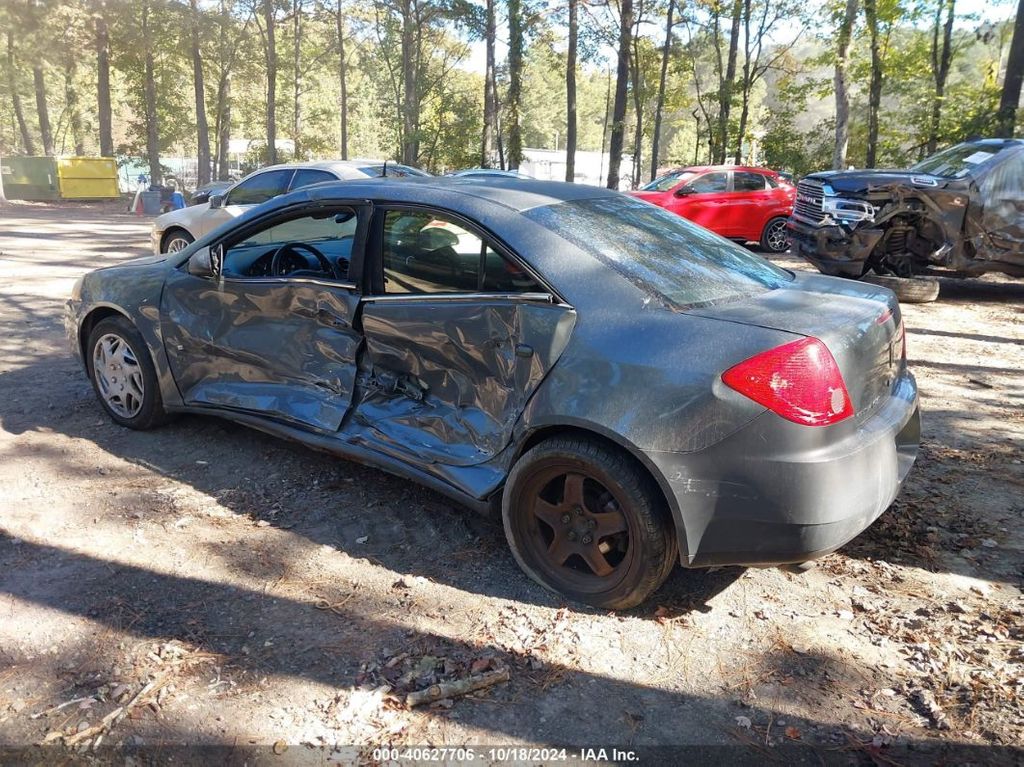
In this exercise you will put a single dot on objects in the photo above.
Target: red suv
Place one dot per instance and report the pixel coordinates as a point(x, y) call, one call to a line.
point(748, 204)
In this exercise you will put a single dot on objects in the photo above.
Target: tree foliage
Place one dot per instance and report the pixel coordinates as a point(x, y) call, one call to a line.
point(736, 80)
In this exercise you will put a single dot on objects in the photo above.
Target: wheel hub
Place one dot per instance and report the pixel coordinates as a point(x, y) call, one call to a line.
point(582, 528)
point(118, 375)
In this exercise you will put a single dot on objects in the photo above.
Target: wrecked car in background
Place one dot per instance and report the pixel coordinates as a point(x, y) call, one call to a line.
point(959, 213)
point(627, 389)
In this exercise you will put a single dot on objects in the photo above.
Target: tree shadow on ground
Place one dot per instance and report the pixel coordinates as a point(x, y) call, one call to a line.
point(536, 704)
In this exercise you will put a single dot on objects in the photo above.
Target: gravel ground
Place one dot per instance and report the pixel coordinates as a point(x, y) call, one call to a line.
point(204, 583)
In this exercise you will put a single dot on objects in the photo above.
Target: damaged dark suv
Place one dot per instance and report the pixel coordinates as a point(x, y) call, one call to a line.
point(958, 213)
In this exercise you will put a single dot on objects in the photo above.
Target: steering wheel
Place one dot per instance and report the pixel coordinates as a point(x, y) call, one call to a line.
point(300, 249)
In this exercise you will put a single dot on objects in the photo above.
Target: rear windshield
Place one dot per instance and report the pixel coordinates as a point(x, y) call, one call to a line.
point(660, 252)
point(668, 181)
point(394, 169)
point(956, 161)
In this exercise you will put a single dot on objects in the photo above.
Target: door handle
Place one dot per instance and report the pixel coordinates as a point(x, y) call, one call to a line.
point(327, 317)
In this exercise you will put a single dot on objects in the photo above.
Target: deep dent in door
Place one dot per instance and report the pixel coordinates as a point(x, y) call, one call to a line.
point(444, 382)
point(303, 373)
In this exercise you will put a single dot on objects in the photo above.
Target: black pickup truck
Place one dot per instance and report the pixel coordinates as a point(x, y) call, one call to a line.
point(959, 213)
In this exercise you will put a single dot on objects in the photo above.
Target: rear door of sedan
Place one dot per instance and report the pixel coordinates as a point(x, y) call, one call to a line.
point(458, 334)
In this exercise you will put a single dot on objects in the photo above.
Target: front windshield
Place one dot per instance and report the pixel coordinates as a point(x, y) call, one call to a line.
point(957, 161)
point(660, 252)
point(668, 181)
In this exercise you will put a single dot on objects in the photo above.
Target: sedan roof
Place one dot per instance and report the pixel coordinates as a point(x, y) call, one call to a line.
point(516, 193)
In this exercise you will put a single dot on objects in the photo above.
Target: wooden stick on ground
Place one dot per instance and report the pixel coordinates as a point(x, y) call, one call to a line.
point(107, 723)
point(458, 687)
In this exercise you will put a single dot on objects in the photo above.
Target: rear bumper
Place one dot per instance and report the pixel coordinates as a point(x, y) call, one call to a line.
point(770, 495)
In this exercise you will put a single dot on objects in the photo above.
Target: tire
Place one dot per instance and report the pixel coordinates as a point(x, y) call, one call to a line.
point(770, 241)
point(175, 240)
point(909, 290)
point(132, 399)
point(621, 513)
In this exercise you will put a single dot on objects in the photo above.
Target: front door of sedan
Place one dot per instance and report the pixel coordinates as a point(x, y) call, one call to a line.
point(459, 334)
point(252, 190)
point(705, 200)
point(273, 333)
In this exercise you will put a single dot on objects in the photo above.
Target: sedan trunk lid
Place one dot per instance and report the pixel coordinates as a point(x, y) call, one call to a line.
point(860, 324)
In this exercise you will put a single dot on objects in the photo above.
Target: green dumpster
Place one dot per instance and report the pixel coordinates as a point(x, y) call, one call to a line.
point(30, 178)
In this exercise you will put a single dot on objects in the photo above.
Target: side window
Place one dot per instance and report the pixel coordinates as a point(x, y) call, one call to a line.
point(743, 181)
point(431, 253)
point(318, 246)
point(305, 177)
point(710, 182)
point(260, 188)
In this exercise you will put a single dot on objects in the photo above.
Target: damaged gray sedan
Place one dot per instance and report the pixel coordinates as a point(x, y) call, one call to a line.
point(628, 390)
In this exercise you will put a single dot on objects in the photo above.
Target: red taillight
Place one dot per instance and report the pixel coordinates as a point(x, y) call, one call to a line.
point(799, 381)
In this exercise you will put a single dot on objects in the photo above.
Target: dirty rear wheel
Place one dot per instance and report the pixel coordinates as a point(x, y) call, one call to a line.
point(587, 522)
point(909, 290)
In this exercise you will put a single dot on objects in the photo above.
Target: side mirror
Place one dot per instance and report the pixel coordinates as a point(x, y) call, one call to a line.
point(206, 262)
point(216, 201)
point(685, 191)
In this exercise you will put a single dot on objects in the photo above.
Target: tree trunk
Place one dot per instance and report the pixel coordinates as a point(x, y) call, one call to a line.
point(103, 107)
point(621, 84)
point(515, 83)
point(875, 88)
point(1014, 77)
point(839, 80)
point(152, 129)
point(271, 57)
point(224, 127)
point(745, 86)
point(410, 90)
point(45, 131)
point(71, 104)
point(696, 140)
point(297, 79)
point(570, 92)
point(202, 128)
point(638, 108)
point(19, 113)
point(342, 82)
point(224, 95)
point(660, 105)
point(490, 100)
point(726, 84)
point(941, 60)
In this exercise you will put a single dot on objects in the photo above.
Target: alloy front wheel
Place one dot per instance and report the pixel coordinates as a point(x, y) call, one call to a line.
point(177, 241)
point(123, 375)
point(118, 375)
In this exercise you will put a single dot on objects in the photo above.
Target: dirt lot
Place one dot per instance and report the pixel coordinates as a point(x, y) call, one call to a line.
point(205, 583)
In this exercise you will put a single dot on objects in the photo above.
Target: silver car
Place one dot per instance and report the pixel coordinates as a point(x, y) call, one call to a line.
point(178, 229)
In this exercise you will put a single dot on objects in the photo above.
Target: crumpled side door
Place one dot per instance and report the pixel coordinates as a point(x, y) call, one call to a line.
point(444, 379)
point(1001, 215)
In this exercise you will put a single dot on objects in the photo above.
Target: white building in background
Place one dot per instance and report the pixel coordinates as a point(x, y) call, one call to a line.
point(590, 168)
